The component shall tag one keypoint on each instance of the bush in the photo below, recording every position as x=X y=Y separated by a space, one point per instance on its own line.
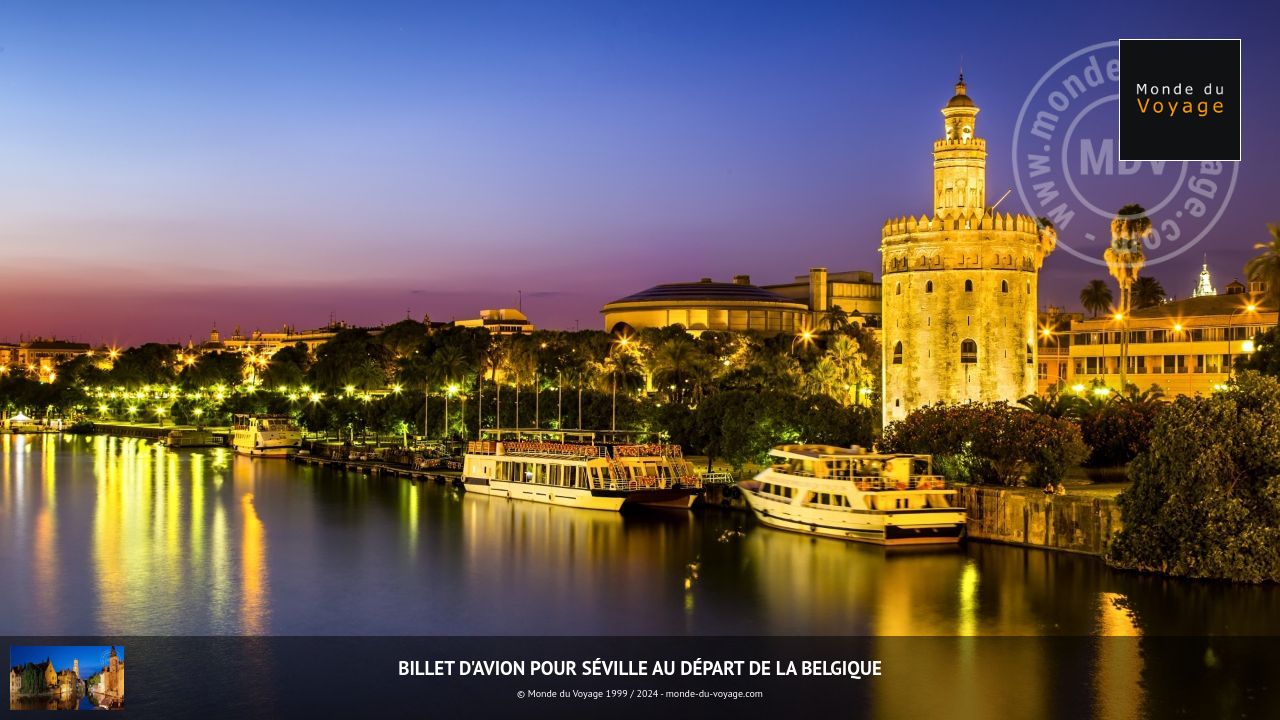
x=1119 y=430
x=1205 y=500
x=989 y=443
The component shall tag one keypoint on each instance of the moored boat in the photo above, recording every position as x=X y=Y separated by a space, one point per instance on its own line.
x=579 y=469
x=190 y=438
x=265 y=435
x=851 y=494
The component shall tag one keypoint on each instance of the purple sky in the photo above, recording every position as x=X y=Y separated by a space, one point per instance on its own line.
x=164 y=168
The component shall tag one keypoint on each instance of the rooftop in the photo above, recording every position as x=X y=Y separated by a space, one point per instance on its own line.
x=707 y=290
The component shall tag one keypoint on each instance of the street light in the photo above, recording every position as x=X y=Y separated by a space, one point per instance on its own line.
x=1245 y=346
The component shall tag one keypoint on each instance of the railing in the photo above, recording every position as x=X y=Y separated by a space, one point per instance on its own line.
x=869 y=483
x=647 y=482
x=717 y=478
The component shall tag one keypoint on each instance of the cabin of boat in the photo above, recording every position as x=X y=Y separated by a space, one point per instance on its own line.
x=579 y=468
x=265 y=435
x=892 y=499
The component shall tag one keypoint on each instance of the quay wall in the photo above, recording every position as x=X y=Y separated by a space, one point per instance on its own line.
x=1073 y=523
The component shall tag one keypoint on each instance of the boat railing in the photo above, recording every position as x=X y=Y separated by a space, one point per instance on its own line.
x=646 y=482
x=536 y=449
x=717 y=478
x=868 y=483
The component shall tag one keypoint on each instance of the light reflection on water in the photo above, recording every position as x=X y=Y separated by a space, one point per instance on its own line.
x=106 y=535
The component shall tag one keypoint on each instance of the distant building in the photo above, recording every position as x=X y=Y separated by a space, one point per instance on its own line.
x=268 y=343
x=1053 y=361
x=15 y=681
x=502 y=321
x=110 y=686
x=41 y=355
x=708 y=305
x=854 y=292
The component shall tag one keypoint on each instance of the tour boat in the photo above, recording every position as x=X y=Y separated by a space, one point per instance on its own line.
x=190 y=438
x=851 y=494
x=265 y=435
x=579 y=469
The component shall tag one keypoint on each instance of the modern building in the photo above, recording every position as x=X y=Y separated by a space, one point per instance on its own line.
x=960 y=284
x=502 y=321
x=708 y=305
x=1053 y=356
x=855 y=292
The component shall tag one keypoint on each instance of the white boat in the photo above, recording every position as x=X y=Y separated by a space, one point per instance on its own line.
x=265 y=435
x=574 y=469
x=851 y=494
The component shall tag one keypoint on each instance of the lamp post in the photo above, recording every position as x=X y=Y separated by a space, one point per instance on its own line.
x=623 y=342
x=1250 y=308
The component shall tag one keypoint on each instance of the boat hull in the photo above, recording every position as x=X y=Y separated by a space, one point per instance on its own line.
x=672 y=498
x=920 y=527
x=282 y=451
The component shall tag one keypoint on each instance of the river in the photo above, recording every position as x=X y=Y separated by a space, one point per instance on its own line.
x=114 y=536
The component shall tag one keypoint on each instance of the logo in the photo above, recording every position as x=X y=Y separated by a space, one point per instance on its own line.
x=1067 y=167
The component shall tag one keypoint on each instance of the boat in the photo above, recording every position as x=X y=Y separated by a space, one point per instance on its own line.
x=853 y=494
x=265 y=435
x=579 y=468
x=190 y=438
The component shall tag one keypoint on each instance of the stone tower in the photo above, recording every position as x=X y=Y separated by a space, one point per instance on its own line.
x=960 y=284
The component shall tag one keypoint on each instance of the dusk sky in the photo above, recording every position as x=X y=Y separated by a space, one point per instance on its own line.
x=166 y=167
x=92 y=657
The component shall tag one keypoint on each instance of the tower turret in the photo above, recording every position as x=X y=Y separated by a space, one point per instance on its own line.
x=959 y=159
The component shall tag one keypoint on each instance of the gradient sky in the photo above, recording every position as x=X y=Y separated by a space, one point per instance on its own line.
x=92 y=657
x=164 y=167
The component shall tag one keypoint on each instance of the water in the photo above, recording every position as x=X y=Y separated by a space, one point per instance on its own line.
x=113 y=536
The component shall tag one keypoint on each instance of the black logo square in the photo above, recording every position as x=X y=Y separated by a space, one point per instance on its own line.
x=1179 y=100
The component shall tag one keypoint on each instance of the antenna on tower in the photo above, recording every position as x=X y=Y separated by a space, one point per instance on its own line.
x=1002 y=197
x=520 y=300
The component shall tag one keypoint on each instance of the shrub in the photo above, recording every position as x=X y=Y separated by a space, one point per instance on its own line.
x=1119 y=430
x=992 y=443
x=1205 y=500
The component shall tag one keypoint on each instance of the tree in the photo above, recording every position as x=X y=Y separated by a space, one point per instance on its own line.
x=215 y=368
x=1147 y=292
x=1265 y=357
x=1265 y=267
x=993 y=443
x=1096 y=297
x=288 y=367
x=352 y=358
x=1205 y=499
x=147 y=364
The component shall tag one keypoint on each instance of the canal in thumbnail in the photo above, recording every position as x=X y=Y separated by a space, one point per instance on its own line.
x=113 y=536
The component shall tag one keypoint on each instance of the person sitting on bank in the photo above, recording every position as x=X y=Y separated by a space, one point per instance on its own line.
x=1062 y=489
x=1048 y=488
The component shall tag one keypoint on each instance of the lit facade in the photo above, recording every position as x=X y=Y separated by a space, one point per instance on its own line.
x=960 y=285
x=1186 y=347
x=855 y=292
x=501 y=321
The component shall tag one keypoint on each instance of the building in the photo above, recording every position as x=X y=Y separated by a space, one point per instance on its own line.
x=707 y=305
x=1205 y=285
x=40 y=356
x=855 y=292
x=110 y=686
x=1053 y=356
x=959 y=284
x=1185 y=347
x=15 y=681
x=502 y=321
x=268 y=343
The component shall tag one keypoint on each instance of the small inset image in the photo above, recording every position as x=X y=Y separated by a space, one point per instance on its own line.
x=66 y=677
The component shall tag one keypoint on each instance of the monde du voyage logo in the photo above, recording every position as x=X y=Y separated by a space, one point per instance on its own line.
x=1155 y=122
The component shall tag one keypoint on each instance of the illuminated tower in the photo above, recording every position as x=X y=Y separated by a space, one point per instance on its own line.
x=959 y=296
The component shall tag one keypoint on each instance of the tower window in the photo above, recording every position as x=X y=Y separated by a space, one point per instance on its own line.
x=1004 y=286
x=968 y=286
x=1031 y=354
x=928 y=287
x=968 y=352
x=899 y=290
x=897 y=353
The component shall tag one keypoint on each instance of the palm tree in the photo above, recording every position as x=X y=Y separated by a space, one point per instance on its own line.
x=451 y=364
x=1265 y=268
x=1055 y=404
x=1096 y=297
x=1147 y=292
x=1125 y=259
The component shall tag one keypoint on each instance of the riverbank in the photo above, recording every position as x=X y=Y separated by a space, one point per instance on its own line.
x=1083 y=521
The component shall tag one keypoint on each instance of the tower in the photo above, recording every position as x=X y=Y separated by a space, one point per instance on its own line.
x=75 y=667
x=960 y=284
x=1205 y=286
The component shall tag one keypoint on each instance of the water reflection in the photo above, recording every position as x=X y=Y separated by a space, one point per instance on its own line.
x=121 y=536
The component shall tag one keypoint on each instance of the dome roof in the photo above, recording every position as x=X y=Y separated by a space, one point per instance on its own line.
x=706 y=290
x=960 y=99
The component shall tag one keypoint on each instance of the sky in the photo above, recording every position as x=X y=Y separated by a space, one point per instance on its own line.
x=165 y=167
x=92 y=657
